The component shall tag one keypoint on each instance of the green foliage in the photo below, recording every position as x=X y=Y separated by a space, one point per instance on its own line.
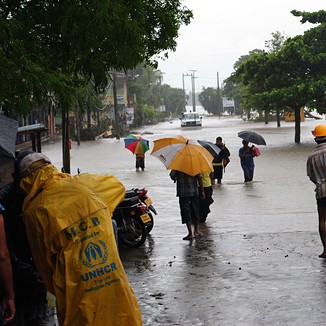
x=148 y=90
x=276 y=42
x=234 y=87
x=148 y=113
x=311 y=17
x=210 y=98
x=146 y=86
x=292 y=77
x=145 y=114
x=233 y=90
x=174 y=99
x=54 y=47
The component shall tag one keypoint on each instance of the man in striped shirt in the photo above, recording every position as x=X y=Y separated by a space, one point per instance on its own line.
x=316 y=171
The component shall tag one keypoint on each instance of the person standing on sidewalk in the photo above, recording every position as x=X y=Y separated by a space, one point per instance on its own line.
x=188 y=193
x=316 y=171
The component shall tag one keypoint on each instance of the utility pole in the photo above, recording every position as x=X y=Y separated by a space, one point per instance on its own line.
x=160 y=80
x=219 y=96
x=193 y=90
x=184 y=92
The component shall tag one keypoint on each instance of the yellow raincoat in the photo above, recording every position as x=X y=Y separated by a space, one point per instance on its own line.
x=69 y=228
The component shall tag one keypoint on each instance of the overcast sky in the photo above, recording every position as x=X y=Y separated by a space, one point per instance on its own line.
x=222 y=31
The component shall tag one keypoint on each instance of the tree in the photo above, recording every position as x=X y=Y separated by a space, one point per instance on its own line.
x=146 y=86
x=273 y=45
x=65 y=44
x=291 y=78
x=232 y=90
x=276 y=42
x=210 y=99
x=174 y=99
x=315 y=43
x=149 y=90
x=234 y=87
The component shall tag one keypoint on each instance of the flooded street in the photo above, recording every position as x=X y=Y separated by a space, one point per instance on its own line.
x=257 y=261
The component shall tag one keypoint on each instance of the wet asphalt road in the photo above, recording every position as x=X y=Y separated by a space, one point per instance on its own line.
x=256 y=263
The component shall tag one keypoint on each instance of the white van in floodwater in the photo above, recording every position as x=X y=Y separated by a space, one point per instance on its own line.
x=191 y=119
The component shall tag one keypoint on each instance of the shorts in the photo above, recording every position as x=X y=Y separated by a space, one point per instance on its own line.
x=321 y=202
x=189 y=209
x=140 y=162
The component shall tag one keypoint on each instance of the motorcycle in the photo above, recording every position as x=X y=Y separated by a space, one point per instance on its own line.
x=131 y=217
x=146 y=201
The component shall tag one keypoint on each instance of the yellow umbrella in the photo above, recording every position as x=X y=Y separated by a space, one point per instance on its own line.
x=183 y=154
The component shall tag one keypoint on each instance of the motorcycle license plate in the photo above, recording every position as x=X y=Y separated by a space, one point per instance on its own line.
x=145 y=218
x=148 y=201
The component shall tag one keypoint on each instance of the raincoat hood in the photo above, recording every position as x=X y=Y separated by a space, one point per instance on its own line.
x=39 y=180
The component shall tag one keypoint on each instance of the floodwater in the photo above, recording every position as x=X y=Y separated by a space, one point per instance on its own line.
x=256 y=263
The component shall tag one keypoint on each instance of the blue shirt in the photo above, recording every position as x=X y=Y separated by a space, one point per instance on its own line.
x=248 y=160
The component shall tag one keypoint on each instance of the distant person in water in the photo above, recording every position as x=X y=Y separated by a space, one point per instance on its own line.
x=220 y=161
x=140 y=162
x=247 y=161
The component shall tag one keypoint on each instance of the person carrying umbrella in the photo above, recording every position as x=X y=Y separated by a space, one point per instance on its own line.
x=138 y=146
x=221 y=160
x=140 y=161
x=247 y=153
x=247 y=161
x=187 y=159
x=189 y=196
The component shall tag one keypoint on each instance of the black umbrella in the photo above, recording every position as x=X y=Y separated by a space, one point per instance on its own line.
x=8 y=134
x=212 y=148
x=252 y=137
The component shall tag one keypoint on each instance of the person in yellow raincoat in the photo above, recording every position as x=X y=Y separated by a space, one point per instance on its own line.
x=69 y=228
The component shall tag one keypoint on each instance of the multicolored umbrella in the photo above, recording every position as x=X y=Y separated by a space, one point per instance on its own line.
x=183 y=154
x=136 y=144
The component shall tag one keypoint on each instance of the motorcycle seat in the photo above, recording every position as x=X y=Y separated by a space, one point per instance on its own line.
x=129 y=202
x=130 y=193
